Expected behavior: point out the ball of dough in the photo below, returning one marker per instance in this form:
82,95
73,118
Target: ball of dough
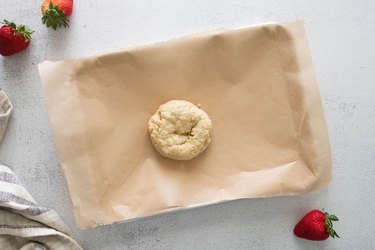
180,130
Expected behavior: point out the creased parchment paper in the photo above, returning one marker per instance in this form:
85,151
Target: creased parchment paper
257,84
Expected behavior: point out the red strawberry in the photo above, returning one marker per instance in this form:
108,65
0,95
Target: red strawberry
316,225
56,13
13,38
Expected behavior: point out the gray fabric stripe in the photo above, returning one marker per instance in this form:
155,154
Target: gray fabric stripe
34,211
20,227
7,197
38,246
8,177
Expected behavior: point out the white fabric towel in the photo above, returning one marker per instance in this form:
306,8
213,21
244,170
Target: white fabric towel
5,111
25,225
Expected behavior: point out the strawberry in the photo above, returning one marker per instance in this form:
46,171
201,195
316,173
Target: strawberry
13,38
316,225
56,13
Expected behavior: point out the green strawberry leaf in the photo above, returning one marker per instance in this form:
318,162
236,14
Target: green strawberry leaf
328,218
333,217
54,17
20,30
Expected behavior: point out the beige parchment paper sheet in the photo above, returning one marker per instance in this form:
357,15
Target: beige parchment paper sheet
258,86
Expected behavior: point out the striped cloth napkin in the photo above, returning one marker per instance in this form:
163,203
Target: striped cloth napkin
5,111
23,224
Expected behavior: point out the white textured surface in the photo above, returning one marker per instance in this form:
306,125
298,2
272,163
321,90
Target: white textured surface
341,35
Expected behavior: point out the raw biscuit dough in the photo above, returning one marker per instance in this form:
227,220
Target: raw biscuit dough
180,130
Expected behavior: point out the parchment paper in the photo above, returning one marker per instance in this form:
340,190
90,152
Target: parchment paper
257,85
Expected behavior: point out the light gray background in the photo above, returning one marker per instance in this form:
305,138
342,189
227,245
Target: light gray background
341,35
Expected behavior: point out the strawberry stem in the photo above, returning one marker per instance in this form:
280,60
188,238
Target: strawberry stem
328,218
54,17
